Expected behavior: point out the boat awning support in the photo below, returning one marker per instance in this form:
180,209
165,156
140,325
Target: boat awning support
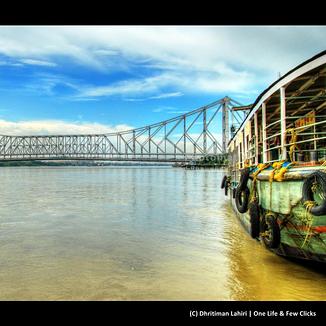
263,111
283,122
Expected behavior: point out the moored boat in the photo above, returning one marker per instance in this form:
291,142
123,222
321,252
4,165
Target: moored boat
276,177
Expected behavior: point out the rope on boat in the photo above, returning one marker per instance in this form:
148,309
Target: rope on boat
260,167
247,164
277,173
293,140
279,176
276,166
307,220
309,204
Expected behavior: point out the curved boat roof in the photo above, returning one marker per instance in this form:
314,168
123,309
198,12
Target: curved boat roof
306,66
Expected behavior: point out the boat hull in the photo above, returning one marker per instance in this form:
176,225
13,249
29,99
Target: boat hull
298,239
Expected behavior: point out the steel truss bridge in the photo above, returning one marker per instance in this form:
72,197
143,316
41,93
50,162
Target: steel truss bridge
190,136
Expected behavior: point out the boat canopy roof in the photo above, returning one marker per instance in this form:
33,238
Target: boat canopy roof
302,83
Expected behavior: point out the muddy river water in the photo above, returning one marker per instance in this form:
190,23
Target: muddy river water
135,233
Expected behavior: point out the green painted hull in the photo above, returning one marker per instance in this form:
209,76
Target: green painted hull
302,234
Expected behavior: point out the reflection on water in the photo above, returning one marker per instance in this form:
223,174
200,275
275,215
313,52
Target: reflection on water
109,233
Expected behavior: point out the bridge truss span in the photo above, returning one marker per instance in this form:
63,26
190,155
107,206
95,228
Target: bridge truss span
186,137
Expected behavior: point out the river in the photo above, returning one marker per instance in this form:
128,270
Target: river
135,233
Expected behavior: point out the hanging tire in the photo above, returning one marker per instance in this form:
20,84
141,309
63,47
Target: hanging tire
242,199
271,234
233,192
226,188
223,181
318,178
254,219
244,178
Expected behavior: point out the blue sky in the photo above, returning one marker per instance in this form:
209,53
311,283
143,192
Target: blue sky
85,79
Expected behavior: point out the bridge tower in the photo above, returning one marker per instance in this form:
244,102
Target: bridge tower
225,123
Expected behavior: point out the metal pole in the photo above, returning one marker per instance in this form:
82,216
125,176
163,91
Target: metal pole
283,123
263,111
256,137
165,139
134,143
149,141
225,125
315,142
204,132
184,137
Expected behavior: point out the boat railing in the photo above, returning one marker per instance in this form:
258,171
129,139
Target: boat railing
310,137
272,124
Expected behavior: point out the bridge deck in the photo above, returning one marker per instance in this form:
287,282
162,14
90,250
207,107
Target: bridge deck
180,139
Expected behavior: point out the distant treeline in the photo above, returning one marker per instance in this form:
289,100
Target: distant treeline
22,163
213,160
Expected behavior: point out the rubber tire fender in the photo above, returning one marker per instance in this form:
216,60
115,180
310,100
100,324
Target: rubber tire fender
254,219
226,188
223,182
242,203
233,192
307,194
275,240
244,178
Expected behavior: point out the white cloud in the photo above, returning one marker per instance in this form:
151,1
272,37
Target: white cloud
45,83
56,127
166,95
155,97
170,110
8,63
82,99
187,81
157,110
128,87
38,62
190,58
106,52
